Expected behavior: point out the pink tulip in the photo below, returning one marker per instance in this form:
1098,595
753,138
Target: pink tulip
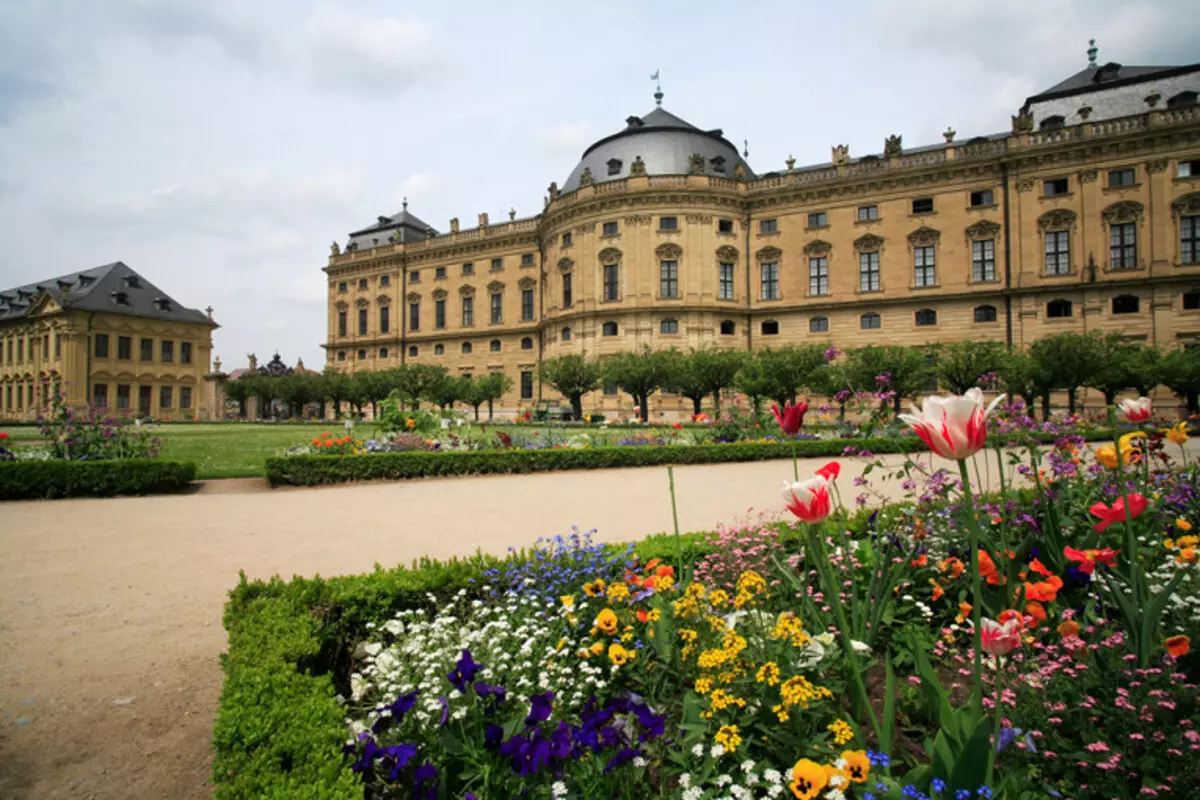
1136,410
808,500
791,418
954,427
1000,639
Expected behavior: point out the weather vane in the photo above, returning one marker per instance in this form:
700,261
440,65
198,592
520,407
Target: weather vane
658,93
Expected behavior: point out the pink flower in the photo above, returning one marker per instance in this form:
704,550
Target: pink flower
1000,639
1136,410
954,427
791,418
808,500
1097,747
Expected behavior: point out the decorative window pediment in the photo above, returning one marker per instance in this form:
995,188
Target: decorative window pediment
383,300
727,253
868,243
1058,219
342,305
495,287
818,247
609,255
924,236
414,297
440,294
983,229
1188,205
1124,211
668,252
466,291
362,302
527,283
565,265
768,254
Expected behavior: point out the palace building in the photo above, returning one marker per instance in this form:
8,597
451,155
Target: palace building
1084,216
108,338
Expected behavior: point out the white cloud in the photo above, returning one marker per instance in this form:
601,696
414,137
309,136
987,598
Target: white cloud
566,138
374,56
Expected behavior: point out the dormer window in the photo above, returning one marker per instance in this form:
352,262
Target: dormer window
162,303
1108,72
717,163
86,280
1182,100
1052,123
614,166
120,298
132,282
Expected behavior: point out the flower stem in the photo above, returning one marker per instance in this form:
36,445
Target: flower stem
1131,554
795,464
976,586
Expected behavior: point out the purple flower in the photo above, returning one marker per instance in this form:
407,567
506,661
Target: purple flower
527,754
426,773
400,755
540,706
464,672
445,703
493,735
832,353
623,755
398,709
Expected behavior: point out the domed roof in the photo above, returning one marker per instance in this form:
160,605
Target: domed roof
666,145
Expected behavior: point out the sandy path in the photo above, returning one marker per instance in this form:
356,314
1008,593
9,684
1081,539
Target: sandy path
110,610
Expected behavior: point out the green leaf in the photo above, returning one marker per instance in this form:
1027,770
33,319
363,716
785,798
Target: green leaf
970,766
1154,609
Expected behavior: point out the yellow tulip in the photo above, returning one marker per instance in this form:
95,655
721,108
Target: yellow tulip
1177,433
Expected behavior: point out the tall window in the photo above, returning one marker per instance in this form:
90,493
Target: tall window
566,239
526,385
341,323
868,271
166,351
123,396
164,396
99,395
145,396
1122,240
1189,240
439,313
725,283
923,267
526,304
610,281
497,300
566,286
818,276
1058,252
101,347
870,321
185,352
147,350
468,311
185,397
385,319
983,260
668,326
668,277
414,315
362,322
770,281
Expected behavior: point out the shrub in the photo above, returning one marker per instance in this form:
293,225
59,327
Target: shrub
24,480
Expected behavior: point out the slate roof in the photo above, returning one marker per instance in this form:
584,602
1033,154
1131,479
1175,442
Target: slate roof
410,228
113,288
1094,78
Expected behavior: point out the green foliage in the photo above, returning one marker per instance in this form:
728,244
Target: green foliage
572,376
1071,358
909,370
416,382
1021,376
1122,365
699,373
780,374
637,374
961,364
1181,373
24,480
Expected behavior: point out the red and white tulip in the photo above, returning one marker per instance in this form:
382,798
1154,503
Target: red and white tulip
955,426
1138,410
1001,639
808,500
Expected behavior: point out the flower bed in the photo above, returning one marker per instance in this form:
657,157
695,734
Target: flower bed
49,479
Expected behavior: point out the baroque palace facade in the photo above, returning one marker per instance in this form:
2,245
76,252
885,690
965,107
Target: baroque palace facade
1085,216
108,338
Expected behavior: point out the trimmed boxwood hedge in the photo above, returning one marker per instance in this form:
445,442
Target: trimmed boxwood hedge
25,480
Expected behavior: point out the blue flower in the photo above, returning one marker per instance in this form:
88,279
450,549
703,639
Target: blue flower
962,794
939,785
623,755
1007,735
426,773
540,706
400,754
464,672
983,791
398,709
879,760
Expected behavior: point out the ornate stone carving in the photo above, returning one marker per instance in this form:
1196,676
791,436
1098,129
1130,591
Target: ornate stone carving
454,224
334,250
868,243
1156,165
1085,112
587,227
893,146
495,287
565,264
1022,122
586,178
609,255
841,155
739,172
466,291
817,247
1187,205
791,162
924,236
553,190
1057,219
638,167
1124,211
528,282
342,305
362,302
698,219
638,219
983,229
696,164
394,238
440,294
1087,175
414,297
768,254
383,300
1153,98
668,251
727,253
1025,185
948,134
512,213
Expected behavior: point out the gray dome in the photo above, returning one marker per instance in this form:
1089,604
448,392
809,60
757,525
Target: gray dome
666,144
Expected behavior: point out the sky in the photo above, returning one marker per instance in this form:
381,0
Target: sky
219,146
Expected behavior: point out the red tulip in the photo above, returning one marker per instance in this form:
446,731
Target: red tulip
1136,410
954,427
791,418
1001,639
1088,559
830,471
808,500
1116,512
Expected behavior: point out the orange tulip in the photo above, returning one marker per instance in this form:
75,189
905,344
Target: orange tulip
1037,611
938,591
1178,646
1069,630
921,561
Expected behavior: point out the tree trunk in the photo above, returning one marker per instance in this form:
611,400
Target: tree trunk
1193,405
490,410
842,411
1071,400
696,404
896,403
717,404
1030,403
477,412
644,402
1109,397
1045,407
577,406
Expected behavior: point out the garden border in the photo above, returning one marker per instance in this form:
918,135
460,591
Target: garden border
52,478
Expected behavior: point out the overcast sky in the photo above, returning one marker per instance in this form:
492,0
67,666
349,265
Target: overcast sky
218,146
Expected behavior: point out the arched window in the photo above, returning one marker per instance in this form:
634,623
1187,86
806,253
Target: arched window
1191,300
610,329
870,321
1052,123
728,327
439,349
466,347
383,352
770,327
1059,309
985,313
527,343
669,326
818,325
412,351
1126,304
926,317
362,355
494,346
341,355
566,334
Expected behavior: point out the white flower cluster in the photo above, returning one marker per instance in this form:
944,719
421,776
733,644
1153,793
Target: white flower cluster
750,783
1184,605
524,644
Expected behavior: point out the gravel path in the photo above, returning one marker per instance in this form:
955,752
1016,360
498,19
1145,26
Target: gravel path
110,610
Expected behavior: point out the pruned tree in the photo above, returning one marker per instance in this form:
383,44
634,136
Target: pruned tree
905,371
961,365
637,374
237,391
1068,360
415,382
335,387
470,391
1180,370
493,387
572,376
1020,377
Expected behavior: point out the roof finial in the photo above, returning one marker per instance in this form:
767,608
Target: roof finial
405,204
658,94
1092,51
745,148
